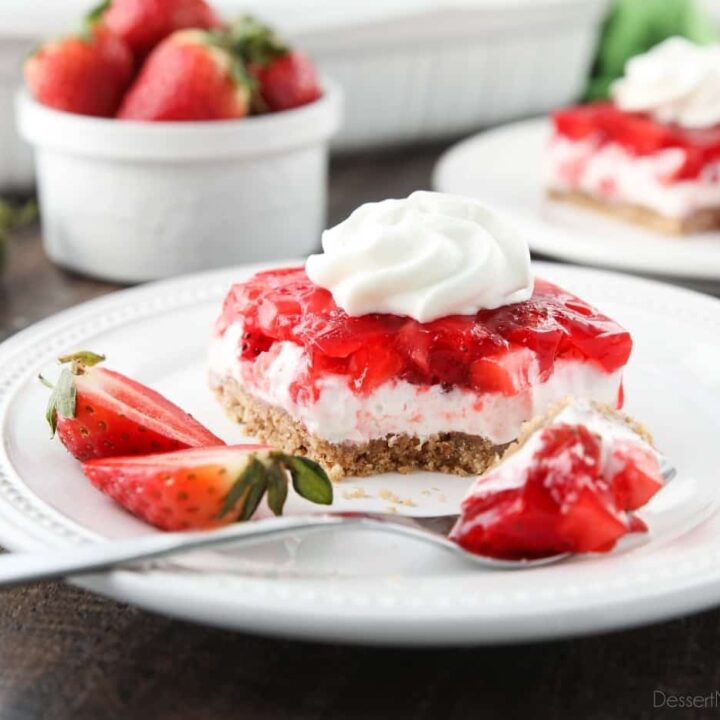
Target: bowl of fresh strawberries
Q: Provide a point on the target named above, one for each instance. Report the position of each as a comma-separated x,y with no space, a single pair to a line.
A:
168,141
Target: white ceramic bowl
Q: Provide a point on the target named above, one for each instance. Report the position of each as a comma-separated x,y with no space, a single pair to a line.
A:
134,201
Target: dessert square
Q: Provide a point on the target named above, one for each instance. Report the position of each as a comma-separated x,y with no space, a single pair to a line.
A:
374,392
652,154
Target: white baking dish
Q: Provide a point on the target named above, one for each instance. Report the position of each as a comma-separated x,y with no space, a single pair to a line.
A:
135,201
415,70
411,69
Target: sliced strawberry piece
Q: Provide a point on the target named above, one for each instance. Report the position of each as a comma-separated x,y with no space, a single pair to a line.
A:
590,524
635,475
578,123
189,76
639,134
372,368
506,374
100,413
208,487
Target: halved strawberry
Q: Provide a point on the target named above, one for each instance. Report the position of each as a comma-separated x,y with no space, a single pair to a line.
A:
207,487
100,413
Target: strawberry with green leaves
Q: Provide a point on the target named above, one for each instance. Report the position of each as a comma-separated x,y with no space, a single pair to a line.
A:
285,78
191,75
142,24
86,73
100,413
207,487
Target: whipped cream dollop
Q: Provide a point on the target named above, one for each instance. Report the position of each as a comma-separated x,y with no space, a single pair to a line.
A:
425,257
675,82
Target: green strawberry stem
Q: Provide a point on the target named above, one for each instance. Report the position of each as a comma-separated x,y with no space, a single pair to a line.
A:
80,360
269,475
63,398
255,42
92,19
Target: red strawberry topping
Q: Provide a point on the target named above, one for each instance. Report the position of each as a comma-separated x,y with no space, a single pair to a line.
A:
639,134
486,352
571,496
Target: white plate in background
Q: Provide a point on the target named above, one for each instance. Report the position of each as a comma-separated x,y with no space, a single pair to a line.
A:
504,167
365,587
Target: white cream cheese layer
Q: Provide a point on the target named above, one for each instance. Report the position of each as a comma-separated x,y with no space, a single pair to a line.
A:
612,174
396,407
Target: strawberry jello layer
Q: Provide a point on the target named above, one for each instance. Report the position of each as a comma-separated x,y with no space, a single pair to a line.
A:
350,381
629,159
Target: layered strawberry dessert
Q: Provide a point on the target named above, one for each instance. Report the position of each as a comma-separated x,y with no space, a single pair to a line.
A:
652,154
572,483
418,339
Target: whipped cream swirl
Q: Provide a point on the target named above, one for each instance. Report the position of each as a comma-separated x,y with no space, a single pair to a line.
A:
425,257
675,82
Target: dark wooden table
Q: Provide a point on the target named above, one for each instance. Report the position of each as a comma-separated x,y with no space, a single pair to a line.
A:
67,654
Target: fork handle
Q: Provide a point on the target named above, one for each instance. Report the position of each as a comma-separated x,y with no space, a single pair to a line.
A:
29,567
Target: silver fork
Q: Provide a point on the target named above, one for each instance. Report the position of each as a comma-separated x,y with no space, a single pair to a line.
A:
27,567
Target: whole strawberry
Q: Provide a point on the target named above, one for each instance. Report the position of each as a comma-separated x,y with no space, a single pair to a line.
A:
189,76
285,78
142,24
85,74
99,413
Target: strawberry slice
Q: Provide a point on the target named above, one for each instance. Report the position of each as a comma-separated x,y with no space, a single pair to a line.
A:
207,487
635,473
100,413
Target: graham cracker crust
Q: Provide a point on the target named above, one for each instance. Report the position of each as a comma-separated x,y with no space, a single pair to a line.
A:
454,453
699,221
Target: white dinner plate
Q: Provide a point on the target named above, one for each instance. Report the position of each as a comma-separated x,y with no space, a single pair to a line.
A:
366,587
504,167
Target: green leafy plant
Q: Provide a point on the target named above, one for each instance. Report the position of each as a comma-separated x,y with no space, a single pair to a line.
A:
13,216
